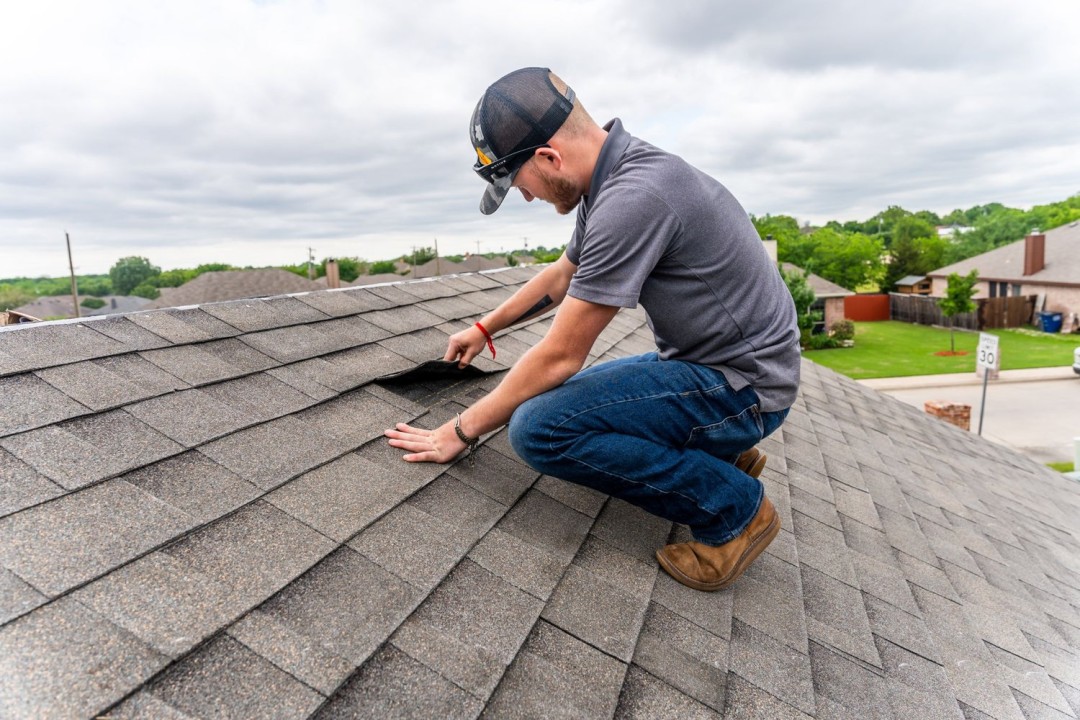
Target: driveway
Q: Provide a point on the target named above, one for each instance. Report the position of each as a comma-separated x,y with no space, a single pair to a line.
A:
1036,412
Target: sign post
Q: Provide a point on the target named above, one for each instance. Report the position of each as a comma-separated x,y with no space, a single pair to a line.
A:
988,360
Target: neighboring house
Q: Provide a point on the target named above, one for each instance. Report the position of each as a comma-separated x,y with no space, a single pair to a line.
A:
61,306
1045,264
222,285
476,263
913,285
377,279
435,268
828,296
200,517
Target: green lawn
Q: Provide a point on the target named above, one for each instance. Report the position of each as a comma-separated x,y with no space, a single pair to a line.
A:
896,349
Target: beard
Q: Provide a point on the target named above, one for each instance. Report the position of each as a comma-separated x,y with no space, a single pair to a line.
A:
560,192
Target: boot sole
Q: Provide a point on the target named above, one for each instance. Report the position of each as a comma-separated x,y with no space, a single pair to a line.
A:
754,469
745,560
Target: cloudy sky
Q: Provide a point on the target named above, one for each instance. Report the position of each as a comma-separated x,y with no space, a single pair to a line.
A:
198,131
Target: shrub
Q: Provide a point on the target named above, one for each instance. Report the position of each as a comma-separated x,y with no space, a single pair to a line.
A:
823,342
842,330
93,303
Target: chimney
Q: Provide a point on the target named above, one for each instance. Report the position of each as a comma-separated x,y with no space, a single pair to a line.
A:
1034,252
333,279
770,247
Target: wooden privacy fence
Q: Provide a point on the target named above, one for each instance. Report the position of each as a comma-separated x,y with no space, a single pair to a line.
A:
990,313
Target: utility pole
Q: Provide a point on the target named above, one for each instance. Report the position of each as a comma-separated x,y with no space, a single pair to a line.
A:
438,263
311,263
74,284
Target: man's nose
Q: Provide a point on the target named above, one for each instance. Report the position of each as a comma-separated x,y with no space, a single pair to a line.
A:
526,194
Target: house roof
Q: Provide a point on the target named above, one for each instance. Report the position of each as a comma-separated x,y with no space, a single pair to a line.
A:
911,280
1006,263
822,288
60,306
220,285
199,518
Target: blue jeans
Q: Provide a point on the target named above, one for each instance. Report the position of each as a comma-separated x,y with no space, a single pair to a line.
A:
661,434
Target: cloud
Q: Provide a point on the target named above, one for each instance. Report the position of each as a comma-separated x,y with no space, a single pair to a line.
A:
246,132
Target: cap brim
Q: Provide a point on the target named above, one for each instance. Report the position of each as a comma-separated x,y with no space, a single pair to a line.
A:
495,194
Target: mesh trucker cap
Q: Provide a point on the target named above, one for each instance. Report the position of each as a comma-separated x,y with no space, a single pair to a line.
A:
516,116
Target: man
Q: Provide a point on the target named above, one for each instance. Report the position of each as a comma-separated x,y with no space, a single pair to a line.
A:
672,432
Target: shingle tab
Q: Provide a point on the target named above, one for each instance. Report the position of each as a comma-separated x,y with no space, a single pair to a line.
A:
225,679
684,656
57,344
75,538
645,697
21,486
190,417
82,451
111,382
194,484
470,628
123,330
63,660
16,597
30,402
495,475
191,364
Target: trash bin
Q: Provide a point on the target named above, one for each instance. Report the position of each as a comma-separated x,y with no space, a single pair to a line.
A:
1050,321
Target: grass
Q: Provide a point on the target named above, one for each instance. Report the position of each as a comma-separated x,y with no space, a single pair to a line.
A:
895,349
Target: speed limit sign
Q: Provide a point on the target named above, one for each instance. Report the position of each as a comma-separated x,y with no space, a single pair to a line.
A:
987,352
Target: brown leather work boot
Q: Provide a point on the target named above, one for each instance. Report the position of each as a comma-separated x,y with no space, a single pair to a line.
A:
751,462
705,567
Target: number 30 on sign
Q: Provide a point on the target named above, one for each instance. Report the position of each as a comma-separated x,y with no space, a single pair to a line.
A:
987,352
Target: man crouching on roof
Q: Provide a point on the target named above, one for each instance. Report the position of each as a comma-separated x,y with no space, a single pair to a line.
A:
673,431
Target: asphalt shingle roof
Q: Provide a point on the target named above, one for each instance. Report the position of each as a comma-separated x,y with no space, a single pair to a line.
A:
199,518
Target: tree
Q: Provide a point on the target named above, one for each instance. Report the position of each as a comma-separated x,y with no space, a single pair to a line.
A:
13,297
130,272
381,267
916,249
420,256
146,290
957,299
349,268
851,260
803,296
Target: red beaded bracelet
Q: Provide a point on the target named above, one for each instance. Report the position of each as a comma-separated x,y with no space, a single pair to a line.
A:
490,342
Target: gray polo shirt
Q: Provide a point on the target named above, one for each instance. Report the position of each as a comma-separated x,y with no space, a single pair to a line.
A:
656,231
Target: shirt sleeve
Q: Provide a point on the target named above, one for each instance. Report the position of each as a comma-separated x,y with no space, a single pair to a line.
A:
627,233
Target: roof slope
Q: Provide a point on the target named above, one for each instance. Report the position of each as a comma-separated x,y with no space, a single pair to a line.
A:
822,288
221,285
1006,263
199,518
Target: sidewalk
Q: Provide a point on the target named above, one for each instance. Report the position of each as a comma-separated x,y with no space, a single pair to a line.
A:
915,382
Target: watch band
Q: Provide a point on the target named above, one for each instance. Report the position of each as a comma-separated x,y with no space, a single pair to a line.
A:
469,442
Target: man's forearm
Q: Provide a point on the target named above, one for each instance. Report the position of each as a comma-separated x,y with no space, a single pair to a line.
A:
541,294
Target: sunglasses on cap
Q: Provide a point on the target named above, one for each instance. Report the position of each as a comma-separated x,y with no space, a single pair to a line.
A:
505,167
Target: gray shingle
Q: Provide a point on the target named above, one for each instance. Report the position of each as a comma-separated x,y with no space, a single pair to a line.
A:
602,599
260,397
583,499
346,605
353,418
683,655
82,451
123,330
393,686
772,666
16,597
710,611
190,417
557,675
351,368
21,486
269,454
63,660
112,381
495,475
59,344
191,364
645,697
547,524
402,320
860,692
415,545
164,602
632,530
175,327
418,345
769,598
470,628
194,484
300,342
293,377
257,550
340,303
30,402
526,566
75,538
236,355
835,614
342,497
245,315
746,701
225,679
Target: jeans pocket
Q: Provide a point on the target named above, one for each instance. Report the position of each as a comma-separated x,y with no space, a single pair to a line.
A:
731,435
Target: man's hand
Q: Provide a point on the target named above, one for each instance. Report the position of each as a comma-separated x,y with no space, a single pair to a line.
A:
465,345
440,445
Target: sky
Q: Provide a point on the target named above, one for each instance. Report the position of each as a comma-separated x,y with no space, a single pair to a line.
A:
255,133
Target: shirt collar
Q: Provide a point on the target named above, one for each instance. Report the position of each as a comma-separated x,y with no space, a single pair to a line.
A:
613,149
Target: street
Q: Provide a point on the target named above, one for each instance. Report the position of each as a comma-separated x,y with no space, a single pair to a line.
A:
1036,412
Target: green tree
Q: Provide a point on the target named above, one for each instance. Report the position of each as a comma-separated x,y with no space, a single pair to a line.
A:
381,267
13,297
145,290
130,272
802,295
420,256
916,249
349,268
93,303
957,299
849,260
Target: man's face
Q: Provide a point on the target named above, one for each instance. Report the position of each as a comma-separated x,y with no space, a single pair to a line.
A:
535,180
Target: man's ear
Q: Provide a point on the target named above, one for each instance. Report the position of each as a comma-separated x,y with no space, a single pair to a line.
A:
550,155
